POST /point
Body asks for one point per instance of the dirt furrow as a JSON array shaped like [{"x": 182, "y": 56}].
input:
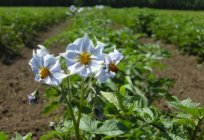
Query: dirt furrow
[
  {"x": 16, "y": 82},
  {"x": 184, "y": 69}
]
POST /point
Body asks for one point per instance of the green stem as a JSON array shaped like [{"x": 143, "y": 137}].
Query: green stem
[
  {"x": 152, "y": 124},
  {"x": 71, "y": 113},
  {"x": 196, "y": 129},
  {"x": 69, "y": 89},
  {"x": 81, "y": 103}
]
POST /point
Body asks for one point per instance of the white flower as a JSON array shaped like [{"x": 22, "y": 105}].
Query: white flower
[
  {"x": 83, "y": 58},
  {"x": 80, "y": 10},
  {"x": 99, "y": 6},
  {"x": 111, "y": 60},
  {"x": 46, "y": 68},
  {"x": 72, "y": 8}
]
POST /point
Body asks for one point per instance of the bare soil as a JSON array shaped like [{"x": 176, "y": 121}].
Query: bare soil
[
  {"x": 16, "y": 82},
  {"x": 184, "y": 69}
]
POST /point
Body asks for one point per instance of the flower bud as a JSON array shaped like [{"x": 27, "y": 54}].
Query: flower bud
[
  {"x": 52, "y": 125},
  {"x": 98, "y": 111},
  {"x": 33, "y": 98}
]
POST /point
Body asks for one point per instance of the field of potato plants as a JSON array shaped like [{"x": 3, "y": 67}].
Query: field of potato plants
[
  {"x": 94, "y": 79},
  {"x": 19, "y": 26}
]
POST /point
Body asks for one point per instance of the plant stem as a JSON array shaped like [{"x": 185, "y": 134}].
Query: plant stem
[
  {"x": 81, "y": 103},
  {"x": 69, "y": 89},
  {"x": 152, "y": 124},
  {"x": 196, "y": 129},
  {"x": 71, "y": 113},
  {"x": 141, "y": 119}
]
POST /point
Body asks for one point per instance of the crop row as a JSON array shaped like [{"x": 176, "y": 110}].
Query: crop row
[
  {"x": 19, "y": 26},
  {"x": 182, "y": 28}
]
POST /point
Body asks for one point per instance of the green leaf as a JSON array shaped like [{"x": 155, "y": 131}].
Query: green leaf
[
  {"x": 183, "y": 121},
  {"x": 145, "y": 113},
  {"x": 50, "y": 134},
  {"x": 88, "y": 124},
  {"x": 196, "y": 112},
  {"x": 3, "y": 136},
  {"x": 111, "y": 97},
  {"x": 66, "y": 127},
  {"x": 18, "y": 137},
  {"x": 50, "y": 93},
  {"x": 112, "y": 128},
  {"x": 26, "y": 137},
  {"x": 187, "y": 102},
  {"x": 188, "y": 107},
  {"x": 142, "y": 95},
  {"x": 174, "y": 137},
  {"x": 51, "y": 107},
  {"x": 122, "y": 90}
]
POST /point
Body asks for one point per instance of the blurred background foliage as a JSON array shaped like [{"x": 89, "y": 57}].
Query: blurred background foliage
[{"x": 163, "y": 4}]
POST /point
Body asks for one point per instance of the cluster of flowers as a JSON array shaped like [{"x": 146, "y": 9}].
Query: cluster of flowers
[{"x": 81, "y": 57}]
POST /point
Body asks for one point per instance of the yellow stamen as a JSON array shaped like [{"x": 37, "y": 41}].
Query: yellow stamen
[
  {"x": 44, "y": 72},
  {"x": 113, "y": 68},
  {"x": 85, "y": 58}
]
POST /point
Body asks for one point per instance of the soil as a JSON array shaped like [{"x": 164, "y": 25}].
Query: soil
[
  {"x": 16, "y": 82},
  {"x": 184, "y": 69}
]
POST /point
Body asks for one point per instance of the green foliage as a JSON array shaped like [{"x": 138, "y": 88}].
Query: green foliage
[
  {"x": 3, "y": 136},
  {"x": 181, "y": 28},
  {"x": 19, "y": 26},
  {"x": 164, "y": 4},
  {"x": 108, "y": 127}
]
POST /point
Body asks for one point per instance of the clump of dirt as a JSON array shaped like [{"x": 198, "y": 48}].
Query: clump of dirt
[
  {"x": 16, "y": 82},
  {"x": 184, "y": 69}
]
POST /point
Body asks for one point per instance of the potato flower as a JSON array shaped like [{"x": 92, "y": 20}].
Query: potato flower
[
  {"x": 72, "y": 8},
  {"x": 46, "y": 67},
  {"x": 83, "y": 58},
  {"x": 111, "y": 60}
]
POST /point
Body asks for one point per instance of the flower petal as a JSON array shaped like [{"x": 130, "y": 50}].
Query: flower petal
[
  {"x": 102, "y": 75},
  {"x": 84, "y": 72},
  {"x": 115, "y": 56},
  {"x": 95, "y": 66},
  {"x": 87, "y": 45},
  {"x": 47, "y": 80},
  {"x": 73, "y": 47},
  {"x": 42, "y": 49},
  {"x": 107, "y": 60},
  {"x": 99, "y": 48},
  {"x": 71, "y": 55},
  {"x": 56, "y": 67},
  {"x": 78, "y": 43},
  {"x": 56, "y": 78},
  {"x": 76, "y": 68},
  {"x": 35, "y": 63},
  {"x": 37, "y": 78},
  {"x": 49, "y": 60},
  {"x": 111, "y": 74}
]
